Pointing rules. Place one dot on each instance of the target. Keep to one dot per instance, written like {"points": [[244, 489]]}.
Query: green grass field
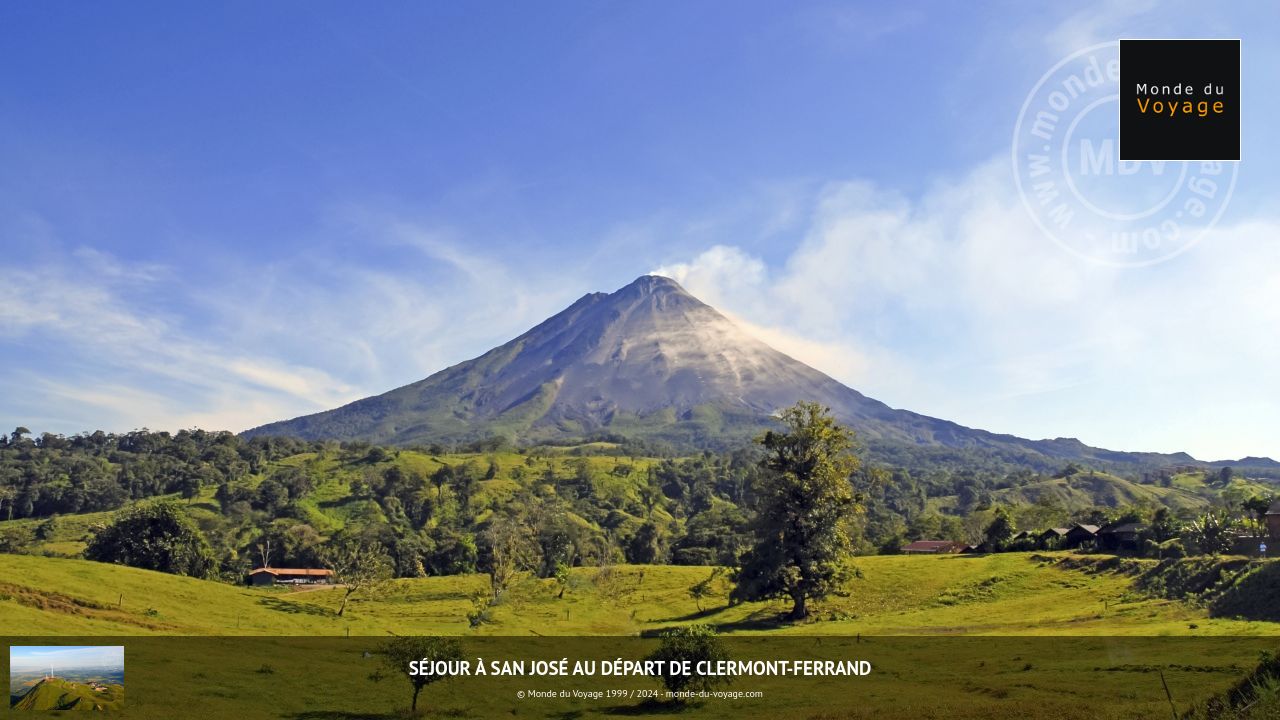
{"points": [[1006, 594], [1069, 630], [58, 694], [1049, 635]]}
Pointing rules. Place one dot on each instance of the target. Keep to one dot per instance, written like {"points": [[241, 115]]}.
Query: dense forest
{"points": [[439, 510]]}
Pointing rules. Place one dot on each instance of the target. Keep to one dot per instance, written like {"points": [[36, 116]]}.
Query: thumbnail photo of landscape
{"points": [[337, 338], [66, 677]]}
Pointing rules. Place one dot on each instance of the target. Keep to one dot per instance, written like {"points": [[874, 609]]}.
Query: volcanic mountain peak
{"points": [[649, 354], [647, 361]]}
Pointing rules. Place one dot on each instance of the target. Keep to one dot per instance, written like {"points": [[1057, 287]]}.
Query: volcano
{"points": [[649, 361]]}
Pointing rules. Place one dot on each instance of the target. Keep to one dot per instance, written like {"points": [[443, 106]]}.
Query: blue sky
{"points": [[64, 657], [226, 215]]}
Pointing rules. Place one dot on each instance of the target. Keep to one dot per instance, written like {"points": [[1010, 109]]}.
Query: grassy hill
{"points": [[1007, 594], [63, 694], [1056, 628], [1087, 488]]}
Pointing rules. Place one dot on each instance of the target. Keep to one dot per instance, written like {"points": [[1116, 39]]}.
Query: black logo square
{"points": [[1179, 99]]}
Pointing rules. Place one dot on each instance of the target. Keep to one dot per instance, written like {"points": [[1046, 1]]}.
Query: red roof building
{"points": [[934, 547], [290, 576]]}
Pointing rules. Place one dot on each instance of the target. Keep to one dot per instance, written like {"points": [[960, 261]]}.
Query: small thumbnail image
{"points": [[66, 677]]}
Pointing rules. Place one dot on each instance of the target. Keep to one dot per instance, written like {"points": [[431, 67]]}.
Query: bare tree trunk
{"points": [[413, 706], [800, 610], [343, 607]]}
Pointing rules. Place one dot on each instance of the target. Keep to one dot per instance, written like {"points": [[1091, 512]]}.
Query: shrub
{"points": [[399, 651], [153, 536], [1174, 548], [691, 644]]}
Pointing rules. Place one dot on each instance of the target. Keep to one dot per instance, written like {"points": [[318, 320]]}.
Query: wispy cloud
{"points": [[91, 323], [118, 345]]}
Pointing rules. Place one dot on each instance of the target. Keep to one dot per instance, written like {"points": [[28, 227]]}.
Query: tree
{"points": [[290, 543], [14, 539], [998, 534], [441, 653], [153, 536], [47, 529], [1257, 507], [648, 545], [702, 588], [1164, 526], [1225, 475], [1211, 533], [466, 483], [805, 503], [651, 497], [508, 550], [695, 645], [359, 566], [7, 495], [441, 477]]}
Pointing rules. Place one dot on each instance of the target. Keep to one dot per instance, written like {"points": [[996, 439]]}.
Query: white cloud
{"points": [[116, 345], [956, 305], [87, 320]]}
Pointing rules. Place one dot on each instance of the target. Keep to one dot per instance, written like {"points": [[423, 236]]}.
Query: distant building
{"points": [[934, 547], [1273, 520], [1052, 538], [1079, 535], [290, 576], [1124, 536]]}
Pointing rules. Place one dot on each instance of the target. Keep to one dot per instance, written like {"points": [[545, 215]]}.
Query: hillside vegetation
{"points": [[290, 504], [61, 694]]}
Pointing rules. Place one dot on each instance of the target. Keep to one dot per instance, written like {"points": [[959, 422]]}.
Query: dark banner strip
{"points": [[304, 678]]}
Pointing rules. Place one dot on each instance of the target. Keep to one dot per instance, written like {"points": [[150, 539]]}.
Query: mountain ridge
{"points": [[649, 361]]}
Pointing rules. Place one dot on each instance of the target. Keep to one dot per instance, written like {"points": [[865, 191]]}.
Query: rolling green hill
{"points": [[1084, 489], [62, 694], [1088, 488], [1111, 626], [1007, 594]]}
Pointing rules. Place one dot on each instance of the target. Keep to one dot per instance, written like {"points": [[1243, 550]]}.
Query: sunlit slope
{"points": [[60, 694], [651, 361], [1009, 594], [333, 503]]}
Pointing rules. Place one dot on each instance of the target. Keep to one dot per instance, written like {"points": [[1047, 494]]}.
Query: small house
{"points": [[1079, 535], [290, 576], [934, 547], [1052, 538], [1273, 520], [1123, 536]]}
